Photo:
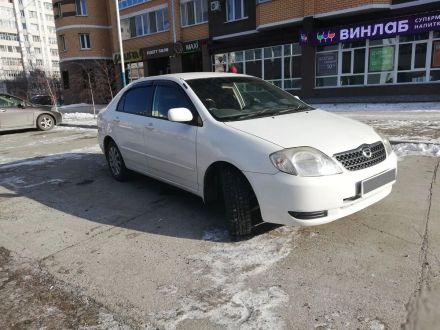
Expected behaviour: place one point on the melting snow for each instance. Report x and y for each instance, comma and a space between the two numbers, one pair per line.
229, 301
419, 149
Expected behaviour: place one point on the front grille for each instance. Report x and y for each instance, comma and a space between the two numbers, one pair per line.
355, 159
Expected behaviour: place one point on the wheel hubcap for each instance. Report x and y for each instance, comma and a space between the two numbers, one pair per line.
46, 122
114, 159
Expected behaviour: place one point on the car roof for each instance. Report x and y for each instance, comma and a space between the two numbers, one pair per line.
192, 75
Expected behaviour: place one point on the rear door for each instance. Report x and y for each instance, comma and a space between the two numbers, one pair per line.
171, 146
129, 123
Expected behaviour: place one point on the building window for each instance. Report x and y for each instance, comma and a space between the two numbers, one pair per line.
129, 3
193, 12
280, 64
235, 10
81, 7
84, 40
65, 77
145, 24
399, 60
58, 9
63, 44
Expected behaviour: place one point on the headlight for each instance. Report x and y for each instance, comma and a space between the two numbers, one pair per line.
304, 161
386, 143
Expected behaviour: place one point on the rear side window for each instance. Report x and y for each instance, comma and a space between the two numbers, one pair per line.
137, 101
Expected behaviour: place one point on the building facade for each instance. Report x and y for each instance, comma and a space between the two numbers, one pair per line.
84, 34
27, 41
333, 50
325, 50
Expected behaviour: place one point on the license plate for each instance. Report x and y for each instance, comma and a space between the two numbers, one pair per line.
378, 181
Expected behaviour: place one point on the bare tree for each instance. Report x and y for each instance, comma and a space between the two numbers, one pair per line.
106, 74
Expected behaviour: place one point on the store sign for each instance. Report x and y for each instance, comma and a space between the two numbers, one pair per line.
129, 57
436, 54
381, 59
374, 30
187, 47
158, 51
327, 64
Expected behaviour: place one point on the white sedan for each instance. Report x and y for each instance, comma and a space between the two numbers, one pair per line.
235, 138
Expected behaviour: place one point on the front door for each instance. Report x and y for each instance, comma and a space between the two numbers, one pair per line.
171, 146
13, 113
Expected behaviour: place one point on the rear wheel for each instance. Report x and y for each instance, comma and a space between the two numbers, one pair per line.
116, 162
45, 122
240, 202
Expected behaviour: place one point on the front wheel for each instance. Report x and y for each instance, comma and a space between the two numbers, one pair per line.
45, 122
116, 162
239, 202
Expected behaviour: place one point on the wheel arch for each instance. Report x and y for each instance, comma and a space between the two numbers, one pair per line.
211, 180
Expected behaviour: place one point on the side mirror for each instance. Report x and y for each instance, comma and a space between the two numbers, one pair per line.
21, 105
180, 115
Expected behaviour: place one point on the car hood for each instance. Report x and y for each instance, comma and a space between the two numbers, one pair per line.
327, 132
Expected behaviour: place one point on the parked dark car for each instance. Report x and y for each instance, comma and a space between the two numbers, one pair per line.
41, 100
16, 113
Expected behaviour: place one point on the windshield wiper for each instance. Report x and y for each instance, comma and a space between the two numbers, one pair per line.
300, 108
252, 114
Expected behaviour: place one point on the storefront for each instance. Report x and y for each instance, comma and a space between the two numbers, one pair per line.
157, 59
134, 65
393, 56
274, 56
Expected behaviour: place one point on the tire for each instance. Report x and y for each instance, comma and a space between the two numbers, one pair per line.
45, 122
115, 162
239, 201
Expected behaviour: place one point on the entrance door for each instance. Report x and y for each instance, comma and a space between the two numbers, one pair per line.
158, 66
192, 62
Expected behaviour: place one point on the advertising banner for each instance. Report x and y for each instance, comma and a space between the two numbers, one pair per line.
387, 28
327, 64
381, 59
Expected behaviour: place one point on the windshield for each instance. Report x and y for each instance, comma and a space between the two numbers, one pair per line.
240, 98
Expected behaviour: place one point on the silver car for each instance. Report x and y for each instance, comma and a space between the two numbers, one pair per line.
16, 113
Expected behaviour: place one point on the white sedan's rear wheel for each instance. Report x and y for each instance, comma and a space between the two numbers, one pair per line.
116, 162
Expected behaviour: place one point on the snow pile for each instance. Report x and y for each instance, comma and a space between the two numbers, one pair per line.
417, 149
79, 118
77, 105
229, 300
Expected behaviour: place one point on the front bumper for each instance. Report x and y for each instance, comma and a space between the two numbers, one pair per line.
338, 195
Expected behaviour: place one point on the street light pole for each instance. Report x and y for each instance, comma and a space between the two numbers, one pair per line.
121, 49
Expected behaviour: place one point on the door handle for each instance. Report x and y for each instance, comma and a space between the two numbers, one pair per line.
116, 121
2, 110
149, 126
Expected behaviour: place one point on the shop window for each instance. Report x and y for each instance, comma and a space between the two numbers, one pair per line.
279, 65
414, 37
193, 12
405, 52
326, 82
65, 77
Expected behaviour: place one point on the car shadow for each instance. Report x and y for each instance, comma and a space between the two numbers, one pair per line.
80, 184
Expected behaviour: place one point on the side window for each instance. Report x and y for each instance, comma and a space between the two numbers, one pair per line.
168, 97
137, 101
7, 101
120, 106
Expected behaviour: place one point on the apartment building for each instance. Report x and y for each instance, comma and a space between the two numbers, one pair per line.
84, 33
164, 36
27, 39
318, 49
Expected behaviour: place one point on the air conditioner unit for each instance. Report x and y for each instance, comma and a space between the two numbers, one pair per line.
215, 6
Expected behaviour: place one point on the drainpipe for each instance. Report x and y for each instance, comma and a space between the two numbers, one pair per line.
121, 49
174, 21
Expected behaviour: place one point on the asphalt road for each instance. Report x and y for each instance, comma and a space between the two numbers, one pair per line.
142, 254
